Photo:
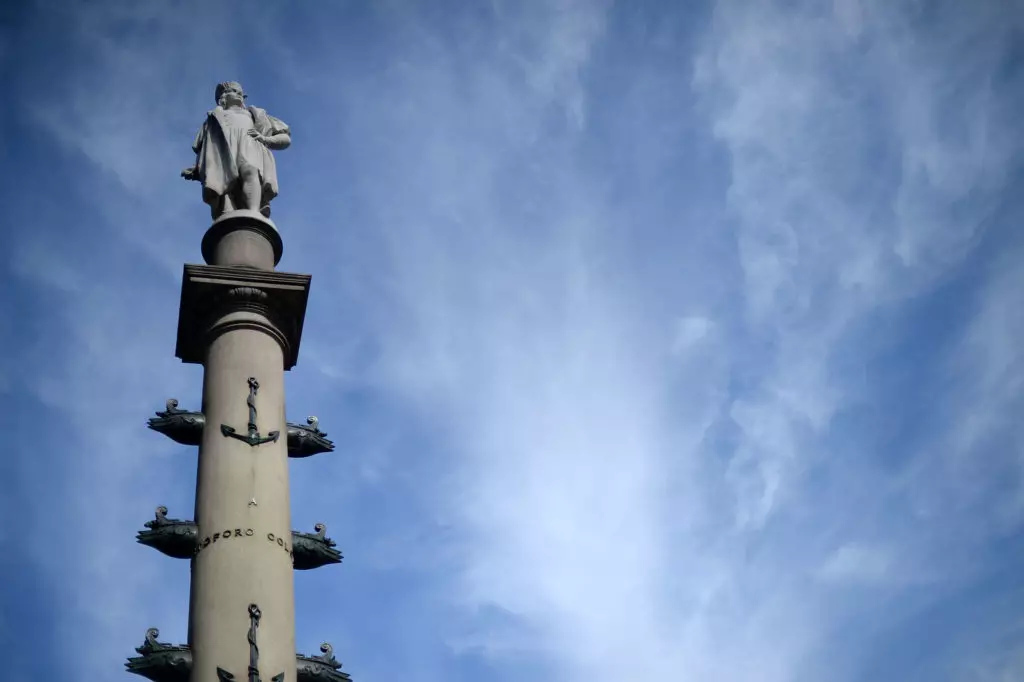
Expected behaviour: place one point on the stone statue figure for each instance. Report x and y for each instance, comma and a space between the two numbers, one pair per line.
233, 159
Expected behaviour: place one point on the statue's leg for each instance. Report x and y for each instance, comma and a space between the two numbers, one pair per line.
251, 190
218, 203
221, 205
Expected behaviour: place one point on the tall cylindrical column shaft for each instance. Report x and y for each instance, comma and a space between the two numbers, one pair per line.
242, 508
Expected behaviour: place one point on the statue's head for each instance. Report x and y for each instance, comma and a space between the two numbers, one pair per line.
230, 92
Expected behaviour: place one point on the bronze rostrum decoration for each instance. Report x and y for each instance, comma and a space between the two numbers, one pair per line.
159, 661
181, 426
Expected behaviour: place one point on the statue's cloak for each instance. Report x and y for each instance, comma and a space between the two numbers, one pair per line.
217, 160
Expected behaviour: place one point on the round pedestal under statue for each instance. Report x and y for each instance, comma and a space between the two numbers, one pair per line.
243, 239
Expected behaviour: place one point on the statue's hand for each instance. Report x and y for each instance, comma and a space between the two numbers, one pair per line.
255, 134
189, 173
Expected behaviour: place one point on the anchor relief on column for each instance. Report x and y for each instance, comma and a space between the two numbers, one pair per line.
253, 437
254, 653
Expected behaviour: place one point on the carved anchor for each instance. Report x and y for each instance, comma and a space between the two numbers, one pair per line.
253, 438
254, 652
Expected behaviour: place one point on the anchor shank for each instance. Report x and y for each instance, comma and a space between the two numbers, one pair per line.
254, 386
254, 652
253, 437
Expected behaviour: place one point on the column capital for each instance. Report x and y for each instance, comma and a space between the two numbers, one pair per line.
212, 293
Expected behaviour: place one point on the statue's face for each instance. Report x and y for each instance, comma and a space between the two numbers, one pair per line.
232, 95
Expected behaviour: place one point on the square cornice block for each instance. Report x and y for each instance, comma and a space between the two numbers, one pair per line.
211, 292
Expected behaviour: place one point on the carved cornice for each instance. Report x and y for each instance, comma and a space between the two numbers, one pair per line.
180, 539
186, 427
162, 662
210, 294
252, 300
248, 294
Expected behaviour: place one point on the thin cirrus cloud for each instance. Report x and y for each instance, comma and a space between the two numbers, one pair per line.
658, 343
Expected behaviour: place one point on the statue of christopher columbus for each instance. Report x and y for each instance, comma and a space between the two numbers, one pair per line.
233, 159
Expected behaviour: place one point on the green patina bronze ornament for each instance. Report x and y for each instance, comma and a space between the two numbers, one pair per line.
305, 441
181, 426
322, 668
252, 438
313, 550
173, 537
159, 661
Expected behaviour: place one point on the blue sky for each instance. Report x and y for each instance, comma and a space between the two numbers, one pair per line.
659, 342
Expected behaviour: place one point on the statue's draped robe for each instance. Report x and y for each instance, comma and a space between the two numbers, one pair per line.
222, 145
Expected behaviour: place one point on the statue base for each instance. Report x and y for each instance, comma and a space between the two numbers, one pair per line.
243, 239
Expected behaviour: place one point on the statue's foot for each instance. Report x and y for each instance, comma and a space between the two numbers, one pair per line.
265, 210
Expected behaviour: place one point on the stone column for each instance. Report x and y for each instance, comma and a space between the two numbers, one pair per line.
242, 320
